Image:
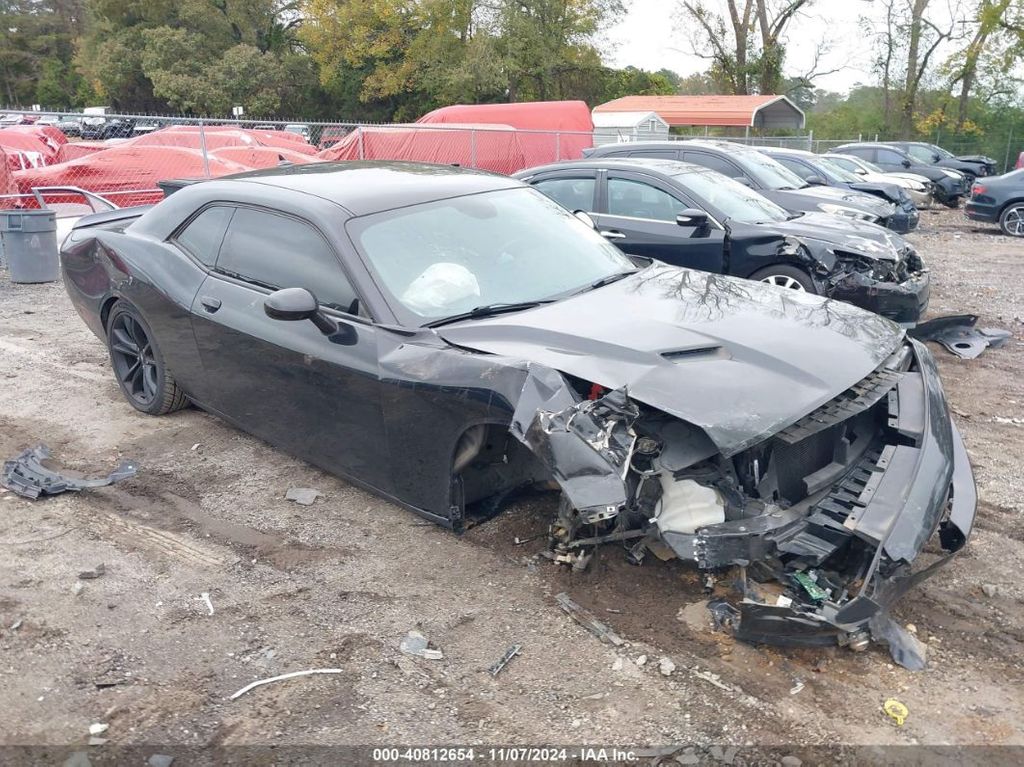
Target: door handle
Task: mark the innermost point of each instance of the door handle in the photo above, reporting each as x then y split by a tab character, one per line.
210	303
612	234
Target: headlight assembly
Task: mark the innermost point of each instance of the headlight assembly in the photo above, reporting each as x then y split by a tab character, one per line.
845	212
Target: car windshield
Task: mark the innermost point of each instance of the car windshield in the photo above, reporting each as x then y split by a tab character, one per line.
444	258
767	172
730	199
923	153
836	171
942	153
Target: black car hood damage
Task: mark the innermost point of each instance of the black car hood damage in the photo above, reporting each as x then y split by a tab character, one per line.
815	195
846	235
714	351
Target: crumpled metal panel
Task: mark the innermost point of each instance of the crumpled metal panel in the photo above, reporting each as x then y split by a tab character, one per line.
25	475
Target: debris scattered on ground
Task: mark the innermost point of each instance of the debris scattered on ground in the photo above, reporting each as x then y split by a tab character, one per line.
26	475
97	741
304	496
205	597
282	677
160	760
587	619
896	710
77	589
96	572
714	679
666	666
798	685
98	728
990	589
520	541
960	336
16	625
503	661
641	660
195	446
416	644
1008	421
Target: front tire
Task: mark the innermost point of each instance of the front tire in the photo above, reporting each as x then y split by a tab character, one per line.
138	365
1011	221
789	277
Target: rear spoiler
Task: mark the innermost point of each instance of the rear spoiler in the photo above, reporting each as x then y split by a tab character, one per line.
110	217
170	186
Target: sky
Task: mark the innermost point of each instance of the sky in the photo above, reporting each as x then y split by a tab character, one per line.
649	37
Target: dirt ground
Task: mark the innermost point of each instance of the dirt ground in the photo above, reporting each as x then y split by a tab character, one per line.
339	583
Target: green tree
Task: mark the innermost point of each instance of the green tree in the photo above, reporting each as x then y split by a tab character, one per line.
37	42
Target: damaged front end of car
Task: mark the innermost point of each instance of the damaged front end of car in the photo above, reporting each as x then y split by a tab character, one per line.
818	525
897	290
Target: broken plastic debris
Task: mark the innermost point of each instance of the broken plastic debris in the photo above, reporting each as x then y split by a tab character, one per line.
783	601
206	600
503	661
98	729
798	685
304	496
896	710
26	475
282	677
586	619
960	336
416	644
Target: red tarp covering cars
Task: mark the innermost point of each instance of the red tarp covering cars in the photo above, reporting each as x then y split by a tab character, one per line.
218	136
490	147
74	150
127	174
7	185
261	156
570	120
27	146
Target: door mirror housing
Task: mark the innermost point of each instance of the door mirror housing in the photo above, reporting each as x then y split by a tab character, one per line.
745	181
906	163
583	216
692	217
293	304
860	171
816	181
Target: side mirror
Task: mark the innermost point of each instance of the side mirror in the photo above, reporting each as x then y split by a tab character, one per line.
292	304
906	163
860	171
583	216
692	217
745	181
816	181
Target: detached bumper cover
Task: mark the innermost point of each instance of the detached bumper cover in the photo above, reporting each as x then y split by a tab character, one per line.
903	302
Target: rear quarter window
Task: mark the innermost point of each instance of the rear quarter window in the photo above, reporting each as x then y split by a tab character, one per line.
203	236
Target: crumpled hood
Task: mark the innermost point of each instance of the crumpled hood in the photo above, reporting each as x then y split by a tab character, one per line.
811	196
859	237
739	359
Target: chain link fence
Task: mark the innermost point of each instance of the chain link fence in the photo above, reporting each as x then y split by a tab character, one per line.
124	157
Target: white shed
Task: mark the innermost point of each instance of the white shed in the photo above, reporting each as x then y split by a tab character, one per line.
616	127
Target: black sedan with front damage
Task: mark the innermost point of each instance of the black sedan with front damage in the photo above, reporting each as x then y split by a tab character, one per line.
469	337
688	215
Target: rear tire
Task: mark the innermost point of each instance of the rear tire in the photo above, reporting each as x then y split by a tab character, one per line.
138	365
1011	220
784	276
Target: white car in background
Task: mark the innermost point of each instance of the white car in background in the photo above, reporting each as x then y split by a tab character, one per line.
918	187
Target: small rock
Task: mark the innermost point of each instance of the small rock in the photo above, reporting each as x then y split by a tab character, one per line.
98	728
687	758
16	625
160	760
641	660
990	589
304	496
666	666
791	761
415	643
96	572
94	741
617	665
911	628
77	588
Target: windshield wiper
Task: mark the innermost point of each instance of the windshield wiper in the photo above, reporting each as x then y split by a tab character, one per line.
606	281
489	310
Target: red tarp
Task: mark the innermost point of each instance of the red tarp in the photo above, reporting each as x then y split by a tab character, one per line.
74	150
491	147
127	174
218	136
570	121
261	156
27	147
7	185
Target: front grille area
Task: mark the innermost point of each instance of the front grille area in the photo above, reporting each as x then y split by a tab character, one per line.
794	461
860	397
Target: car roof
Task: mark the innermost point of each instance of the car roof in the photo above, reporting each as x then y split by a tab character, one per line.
721	145
657	165
786	150
365	186
870	145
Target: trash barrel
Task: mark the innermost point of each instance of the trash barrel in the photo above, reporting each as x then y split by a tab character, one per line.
28	243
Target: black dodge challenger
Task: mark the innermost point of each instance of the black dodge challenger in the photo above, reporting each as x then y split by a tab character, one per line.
446	337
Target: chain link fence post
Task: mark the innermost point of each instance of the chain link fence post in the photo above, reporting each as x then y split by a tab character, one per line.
202	146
